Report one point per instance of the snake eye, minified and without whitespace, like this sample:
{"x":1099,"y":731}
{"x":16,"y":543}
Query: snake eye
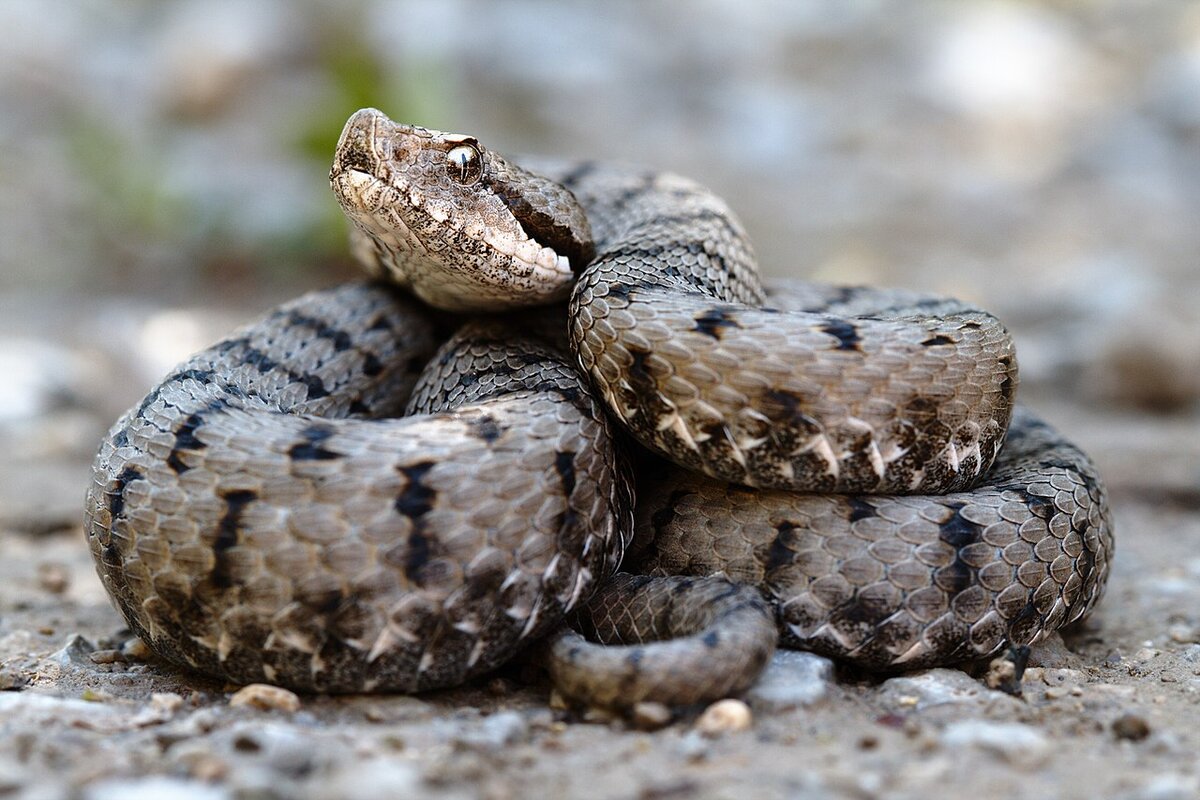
{"x":464,"y":164}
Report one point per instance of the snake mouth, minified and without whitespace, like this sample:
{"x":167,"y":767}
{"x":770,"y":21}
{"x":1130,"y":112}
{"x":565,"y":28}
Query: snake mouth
{"x":359,"y":193}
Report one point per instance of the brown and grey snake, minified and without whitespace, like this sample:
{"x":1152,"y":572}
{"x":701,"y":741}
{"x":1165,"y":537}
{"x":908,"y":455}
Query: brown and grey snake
{"x":339,"y":499}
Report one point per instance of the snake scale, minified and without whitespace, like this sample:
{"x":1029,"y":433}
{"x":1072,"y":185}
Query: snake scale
{"x":340,"y":498}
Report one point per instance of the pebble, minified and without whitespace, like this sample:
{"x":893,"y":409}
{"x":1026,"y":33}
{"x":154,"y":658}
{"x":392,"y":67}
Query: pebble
{"x":725,"y":716}
{"x":166,"y":702}
{"x":1132,"y":727}
{"x":265,"y":697}
{"x":11,"y":680}
{"x":1015,"y":742}
{"x":77,"y":650}
{"x":936,"y":687}
{"x":648,"y":716}
{"x":106,"y":656}
{"x":136,"y":650}
{"x":792,"y":679}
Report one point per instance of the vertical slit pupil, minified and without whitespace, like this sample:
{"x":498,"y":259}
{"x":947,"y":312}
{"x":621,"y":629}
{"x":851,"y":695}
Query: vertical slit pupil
{"x":463,"y":164}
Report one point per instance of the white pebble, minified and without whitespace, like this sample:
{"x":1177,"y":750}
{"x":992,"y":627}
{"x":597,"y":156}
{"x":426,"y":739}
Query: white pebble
{"x":793,"y":679}
{"x":725,"y":716}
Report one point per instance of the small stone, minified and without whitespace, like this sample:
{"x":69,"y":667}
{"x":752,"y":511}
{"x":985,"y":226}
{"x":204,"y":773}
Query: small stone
{"x":53,"y":577}
{"x":136,"y":650}
{"x":106,"y":656}
{"x":1133,"y":727}
{"x":647,"y":716}
{"x":1014,"y":742}
{"x":166,"y":702}
{"x":77,"y":650}
{"x":937,"y":687}
{"x":266,"y":697}
{"x":724,"y":716}
{"x":792,"y":679}
{"x":11,"y":680}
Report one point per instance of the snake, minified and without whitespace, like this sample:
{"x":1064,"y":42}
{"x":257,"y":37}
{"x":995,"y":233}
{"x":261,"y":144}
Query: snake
{"x":564,"y":395}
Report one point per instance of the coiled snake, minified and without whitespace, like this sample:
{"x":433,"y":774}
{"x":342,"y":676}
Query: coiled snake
{"x":331,"y":501}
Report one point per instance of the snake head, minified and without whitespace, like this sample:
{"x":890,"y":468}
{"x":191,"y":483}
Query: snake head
{"x":454,"y":222}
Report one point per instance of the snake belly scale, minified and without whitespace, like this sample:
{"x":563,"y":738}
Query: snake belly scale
{"x":336,"y":499}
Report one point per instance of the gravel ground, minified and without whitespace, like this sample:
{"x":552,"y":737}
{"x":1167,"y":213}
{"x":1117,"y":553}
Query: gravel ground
{"x":1039,"y":158}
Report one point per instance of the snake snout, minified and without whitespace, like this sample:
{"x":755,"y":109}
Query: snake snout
{"x":356,"y":147}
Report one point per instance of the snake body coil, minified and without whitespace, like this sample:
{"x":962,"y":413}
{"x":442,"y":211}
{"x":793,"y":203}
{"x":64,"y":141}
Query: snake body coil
{"x":264,"y":514}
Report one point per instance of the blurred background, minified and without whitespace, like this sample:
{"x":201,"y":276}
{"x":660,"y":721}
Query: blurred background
{"x":163,"y":175}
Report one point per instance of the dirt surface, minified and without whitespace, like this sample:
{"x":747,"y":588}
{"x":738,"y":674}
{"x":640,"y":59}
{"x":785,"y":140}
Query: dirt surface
{"x":85,"y":713}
